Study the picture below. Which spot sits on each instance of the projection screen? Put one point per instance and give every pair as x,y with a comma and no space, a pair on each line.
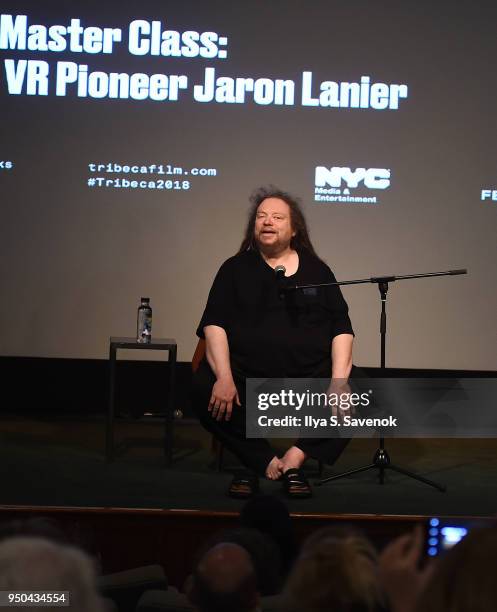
134,133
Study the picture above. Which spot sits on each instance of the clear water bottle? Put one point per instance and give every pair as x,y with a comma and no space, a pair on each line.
144,321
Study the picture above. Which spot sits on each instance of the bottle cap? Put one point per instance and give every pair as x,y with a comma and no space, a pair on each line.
145,299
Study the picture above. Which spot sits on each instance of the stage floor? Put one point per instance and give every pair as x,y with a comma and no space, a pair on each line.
60,462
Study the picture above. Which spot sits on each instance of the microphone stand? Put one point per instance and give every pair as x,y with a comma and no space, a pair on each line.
381,459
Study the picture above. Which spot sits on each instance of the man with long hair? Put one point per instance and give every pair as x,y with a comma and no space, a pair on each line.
251,332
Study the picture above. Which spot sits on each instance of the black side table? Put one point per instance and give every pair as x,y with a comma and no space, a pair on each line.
157,344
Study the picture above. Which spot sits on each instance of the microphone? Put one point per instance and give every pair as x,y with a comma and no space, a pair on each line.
280,280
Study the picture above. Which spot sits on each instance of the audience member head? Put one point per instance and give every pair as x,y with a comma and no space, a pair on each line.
263,552
270,516
224,580
465,578
76,534
37,564
336,570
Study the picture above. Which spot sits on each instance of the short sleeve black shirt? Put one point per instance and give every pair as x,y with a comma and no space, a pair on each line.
271,336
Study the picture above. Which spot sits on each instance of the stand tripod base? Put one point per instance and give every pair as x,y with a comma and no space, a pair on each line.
381,461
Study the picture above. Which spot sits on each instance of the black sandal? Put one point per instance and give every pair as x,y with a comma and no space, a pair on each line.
244,486
296,484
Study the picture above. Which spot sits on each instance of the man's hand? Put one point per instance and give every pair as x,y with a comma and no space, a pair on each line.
400,576
223,395
339,388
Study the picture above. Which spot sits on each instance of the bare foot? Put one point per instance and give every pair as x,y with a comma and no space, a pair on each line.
274,468
293,458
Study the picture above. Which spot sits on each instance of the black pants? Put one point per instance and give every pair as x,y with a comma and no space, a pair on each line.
254,453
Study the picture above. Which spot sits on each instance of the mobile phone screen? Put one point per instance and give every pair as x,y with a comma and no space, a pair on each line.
442,535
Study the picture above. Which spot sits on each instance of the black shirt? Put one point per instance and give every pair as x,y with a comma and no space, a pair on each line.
270,336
